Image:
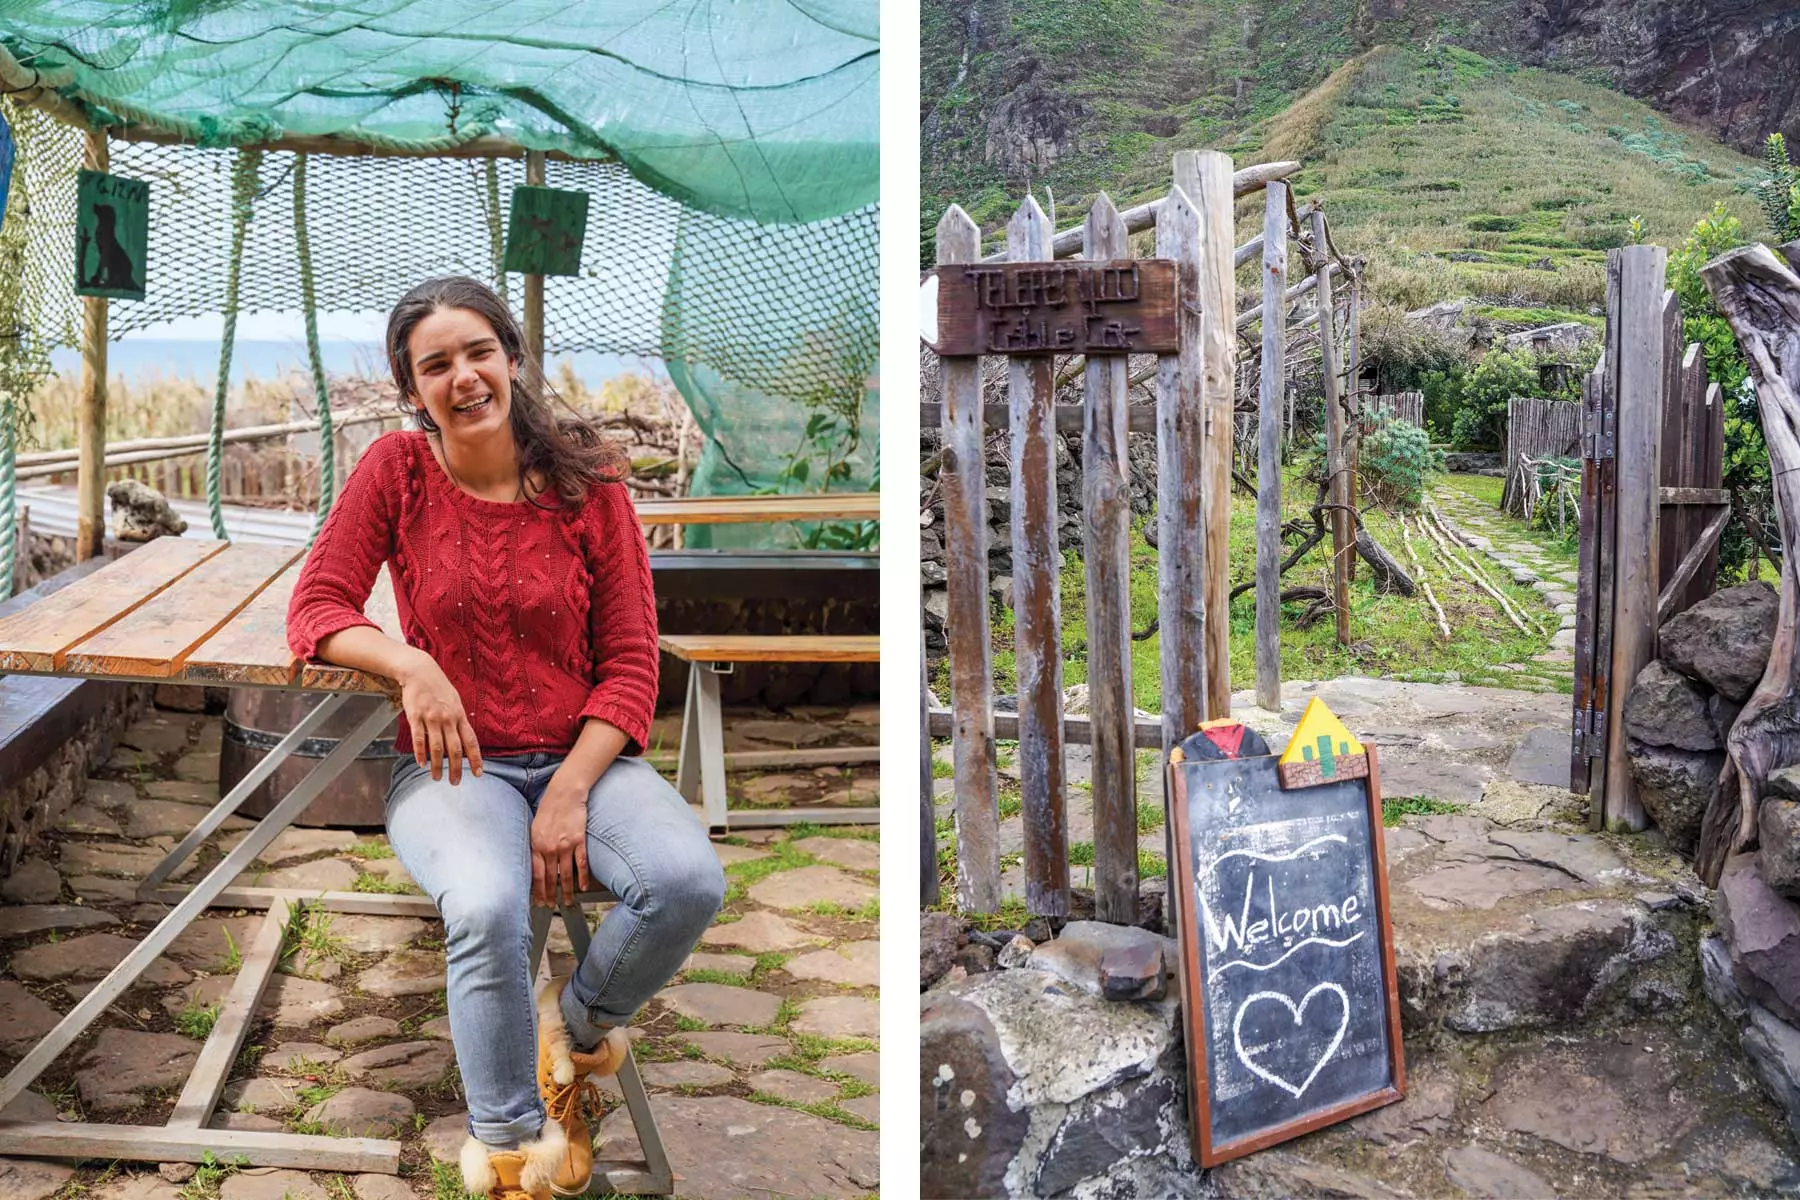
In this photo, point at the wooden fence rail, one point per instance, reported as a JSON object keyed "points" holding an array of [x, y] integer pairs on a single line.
{"points": [[1536, 428]]}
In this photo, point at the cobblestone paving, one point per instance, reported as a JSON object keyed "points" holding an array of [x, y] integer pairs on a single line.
{"points": [[761, 1057]]}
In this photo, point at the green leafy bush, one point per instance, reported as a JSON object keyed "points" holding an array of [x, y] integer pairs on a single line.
{"points": [[1398, 462]]}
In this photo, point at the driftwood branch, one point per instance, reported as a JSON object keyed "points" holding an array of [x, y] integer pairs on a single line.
{"points": [[1760, 297], [1390, 576]]}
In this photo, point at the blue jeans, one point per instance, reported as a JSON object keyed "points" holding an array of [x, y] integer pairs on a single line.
{"points": [[469, 847]]}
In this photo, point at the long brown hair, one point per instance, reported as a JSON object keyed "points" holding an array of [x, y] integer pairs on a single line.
{"points": [[563, 449]]}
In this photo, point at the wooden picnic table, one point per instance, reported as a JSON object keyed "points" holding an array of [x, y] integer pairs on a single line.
{"points": [[184, 610]]}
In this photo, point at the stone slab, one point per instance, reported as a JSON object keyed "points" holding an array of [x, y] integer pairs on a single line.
{"points": [[363, 1112], [729, 1147], [792, 1085], [89, 958], [721, 1004], [760, 932], [125, 1065], [402, 1065], [856, 854], [686, 1073], [18, 920], [839, 1017], [744, 1049], [33, 881], [405, 973], [852, 964], [807, 886], [23, 1018]]}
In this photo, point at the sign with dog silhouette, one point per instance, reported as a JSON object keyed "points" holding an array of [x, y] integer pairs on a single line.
{"points": [[112, 235], [1287, 958]]}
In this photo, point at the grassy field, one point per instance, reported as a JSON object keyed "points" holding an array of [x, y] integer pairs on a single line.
{"points": [[1392, 636]]}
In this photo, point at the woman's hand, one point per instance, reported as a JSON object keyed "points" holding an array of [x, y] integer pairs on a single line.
{"points": [[559, 862], [441, 733]]}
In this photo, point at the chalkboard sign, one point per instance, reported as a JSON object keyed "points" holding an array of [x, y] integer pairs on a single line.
{"points": [[1287, 959]]}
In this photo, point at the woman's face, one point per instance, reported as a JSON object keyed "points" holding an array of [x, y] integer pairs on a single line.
{"points": [[461, 376]]}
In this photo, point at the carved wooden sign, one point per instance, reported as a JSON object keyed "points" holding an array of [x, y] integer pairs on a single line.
{"points": [[1125, 306]]}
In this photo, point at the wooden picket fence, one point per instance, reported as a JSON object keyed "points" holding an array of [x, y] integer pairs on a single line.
{"points": [[1194, 428], [1652, 510], [1405, 406], [1535, 429]]}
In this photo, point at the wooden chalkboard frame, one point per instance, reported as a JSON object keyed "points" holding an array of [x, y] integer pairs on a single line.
{"points": [[1193, 990]]}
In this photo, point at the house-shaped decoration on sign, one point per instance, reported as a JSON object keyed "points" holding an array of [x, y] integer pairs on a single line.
{"points": [[1321, 751]]}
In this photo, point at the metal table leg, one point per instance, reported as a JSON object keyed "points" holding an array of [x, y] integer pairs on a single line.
{"points": [[709, 734]]}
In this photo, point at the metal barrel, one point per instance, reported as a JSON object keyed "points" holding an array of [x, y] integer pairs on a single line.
{"points": [[258, 718]]}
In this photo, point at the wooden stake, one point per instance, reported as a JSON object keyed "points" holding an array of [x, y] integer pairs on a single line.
{"points": [[1205, 177], [1180, 487], [1342, 545], [534, 284], [1268, 454], [90, 518]]}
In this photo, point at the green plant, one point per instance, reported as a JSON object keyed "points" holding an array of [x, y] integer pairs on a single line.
{"points": [[1393, 808], [1398, 462], [1779, 191], [233, 960], [197, 1020], [209, 1174]]}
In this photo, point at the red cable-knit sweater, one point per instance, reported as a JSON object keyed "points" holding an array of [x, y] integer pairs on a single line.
{"points": [[540, 619]]}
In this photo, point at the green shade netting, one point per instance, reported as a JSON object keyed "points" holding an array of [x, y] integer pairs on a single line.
{"points": [[760, 109]]}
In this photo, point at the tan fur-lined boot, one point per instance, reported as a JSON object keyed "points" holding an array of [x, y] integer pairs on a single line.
{"points": [[567, 1082], [522, 1174]]}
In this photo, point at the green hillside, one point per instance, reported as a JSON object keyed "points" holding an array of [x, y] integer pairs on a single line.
{"points": [[1455, 174]]}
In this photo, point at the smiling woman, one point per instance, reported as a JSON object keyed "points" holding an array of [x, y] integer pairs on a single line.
{"points": [[523, 587]]}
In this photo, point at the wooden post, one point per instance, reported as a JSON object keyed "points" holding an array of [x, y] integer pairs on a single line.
{"points": [[928, 871], [1106, 533], [963, 477], [1268, 454], [90, 481], [534, 284], [1338, 492], [1037, 570], [1353, 403], [1180, 487], [1205, 177], [1638, 367]]}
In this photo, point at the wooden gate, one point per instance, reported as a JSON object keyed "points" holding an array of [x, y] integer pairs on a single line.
{"points": [[1652, 510]]}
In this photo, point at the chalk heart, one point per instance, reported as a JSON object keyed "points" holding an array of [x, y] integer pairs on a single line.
{"points": [[1298, 1012]]}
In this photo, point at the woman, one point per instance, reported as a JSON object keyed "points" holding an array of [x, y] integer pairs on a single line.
{"points": [[523, 587]]}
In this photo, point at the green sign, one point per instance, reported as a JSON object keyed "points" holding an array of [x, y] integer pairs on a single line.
{"points": [[112, 234], [543, 235]]}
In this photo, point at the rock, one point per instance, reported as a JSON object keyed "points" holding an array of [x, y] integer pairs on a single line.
{"points": [[977, 957], [402, 1065], [33, 881], [248, 1122], [117, 859], [23, 1018], [792, 1085], [124, 1064], [89, 957], [405, 973], [97, 888], [839, 1017], [161, 818], [1427, 1110], [744, 1049], [1126, 1122], [261, 1095], [853, 964], [1778, 832], [1773, 1048], [144, 1186], [444, 1137], [1723, 713], [437, 1027], [299, 1056], [198, 768], [1132, 973], [1541, 758], [177, 1172], [271, 1185], [730, 855], [28, 1179], [182, 791], [721, 1004], [1545, 968], [375, 935], [866, 1067], [856, 854], [683, 1073], [1016, 953], [1599, 1096], [866, 1107], [741, 965], [199, 994], [1676, 787], [1281, 1173], [381, 1187], [939, 935], [141, 513], [298, 843], [1724, 640], [17, 920], [291, 1000], [1482, 1173], [1762, 932], [210, 943], [85, 818], [1076, 955], [325, 875], [807, 886], [796, 733], [732, 1147], [1665, 708], [759, 932], [360, 1112]]}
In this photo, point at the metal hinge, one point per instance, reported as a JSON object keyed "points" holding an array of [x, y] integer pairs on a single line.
{"points": [[1596, 733]]}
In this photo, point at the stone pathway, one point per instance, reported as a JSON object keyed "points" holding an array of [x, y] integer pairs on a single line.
{"points": [[761, 1057]]}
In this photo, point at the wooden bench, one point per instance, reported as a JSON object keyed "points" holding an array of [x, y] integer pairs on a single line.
{"points": [[700, 771], [756, 510]]}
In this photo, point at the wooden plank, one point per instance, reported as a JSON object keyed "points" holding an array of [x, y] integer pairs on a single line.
{"points": [[1641, 377], [928, 846], [1180, 489], [1671, 497], [38, 637], [963, 477], [796, 647], [1106, 546], [1336, 468], [154, 639], [1037, 571], [1675, 527], [1270, 389], [1586, 574], [1205, 176], [160, 1143], [1606, 539], [382, 609], [1146, 732], [1120, 306], [252, 647], [1140, 418], [1668, 603], [756, 760], [1712, 461], [194, 1107], [726, 510]]}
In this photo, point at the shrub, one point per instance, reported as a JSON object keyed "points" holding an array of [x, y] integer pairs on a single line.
{"points": [[1398, 462]]}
